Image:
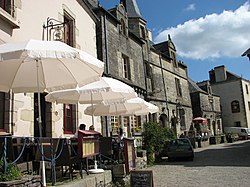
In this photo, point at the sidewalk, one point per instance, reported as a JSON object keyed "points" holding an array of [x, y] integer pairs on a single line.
{"points": [[199, 149], [91, 180]]}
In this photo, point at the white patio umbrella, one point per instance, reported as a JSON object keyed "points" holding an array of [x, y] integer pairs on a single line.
{"points": [[104, 90], [146, 109], [41, 66], [112, 109], [35, 65]]}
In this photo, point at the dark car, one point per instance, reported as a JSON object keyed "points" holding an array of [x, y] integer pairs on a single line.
{"points": [[180, 148]]}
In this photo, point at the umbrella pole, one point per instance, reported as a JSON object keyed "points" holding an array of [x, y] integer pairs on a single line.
{"points": [[40, 126], [93, 123]]}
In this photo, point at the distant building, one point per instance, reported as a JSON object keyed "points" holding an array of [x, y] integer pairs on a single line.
{"points": [[234, 95], [207, 105]]}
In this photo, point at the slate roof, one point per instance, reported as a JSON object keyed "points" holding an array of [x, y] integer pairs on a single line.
{"points": [[193, 87], [162, 47], [132, 8]]}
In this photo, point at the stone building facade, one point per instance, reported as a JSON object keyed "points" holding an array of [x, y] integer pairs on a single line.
{"points": [[123, 41], [207, 105], [122, 53], [234, 95]]}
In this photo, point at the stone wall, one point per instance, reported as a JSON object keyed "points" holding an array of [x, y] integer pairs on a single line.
{"points": [[26, 181]]}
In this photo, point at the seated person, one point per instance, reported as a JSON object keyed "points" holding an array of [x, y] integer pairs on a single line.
{"points": [[81, 127]]}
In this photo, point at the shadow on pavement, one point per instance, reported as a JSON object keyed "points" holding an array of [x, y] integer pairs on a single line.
{"points": [[234, 154]]}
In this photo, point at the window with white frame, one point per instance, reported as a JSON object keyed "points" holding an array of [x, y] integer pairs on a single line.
{"points": [[126, 67], [69, 120], [136, 124], [69, 34], [7, 5]]}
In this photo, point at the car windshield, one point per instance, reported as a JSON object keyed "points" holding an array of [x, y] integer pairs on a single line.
{"points": [[180, 142]]}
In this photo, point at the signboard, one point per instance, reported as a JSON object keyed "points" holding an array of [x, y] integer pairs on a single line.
{"points": [[129, 153], [141, 178]]}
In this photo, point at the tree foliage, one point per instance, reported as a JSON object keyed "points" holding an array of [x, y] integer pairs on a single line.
{"points": [[155, 139]]}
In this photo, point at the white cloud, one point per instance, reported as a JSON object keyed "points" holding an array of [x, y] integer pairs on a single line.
{"points": [[213, 36], [190, 7]]}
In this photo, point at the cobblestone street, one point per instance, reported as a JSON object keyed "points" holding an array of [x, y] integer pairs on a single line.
{"points": [[214, 166]]}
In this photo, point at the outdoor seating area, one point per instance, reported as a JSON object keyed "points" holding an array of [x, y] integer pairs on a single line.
{"points": [[64, 158]]}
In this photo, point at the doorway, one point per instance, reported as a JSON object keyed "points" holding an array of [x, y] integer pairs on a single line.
{"points": [[46, 116]]}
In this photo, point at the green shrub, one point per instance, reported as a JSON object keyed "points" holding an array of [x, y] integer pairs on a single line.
{"points": [[12, 172], [155, 139]]}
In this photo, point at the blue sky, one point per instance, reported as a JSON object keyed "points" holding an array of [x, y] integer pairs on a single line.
{"points": [[206, 33]]}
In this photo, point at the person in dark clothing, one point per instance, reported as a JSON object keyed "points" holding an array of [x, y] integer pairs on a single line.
{"points": [[82, 127]]}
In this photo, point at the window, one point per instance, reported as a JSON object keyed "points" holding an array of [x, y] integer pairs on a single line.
{"points": [[136, 124], [148, 70], [4, 110], [143, 34], [247, 89], [7, 6], [126, 67], [114, 124], [235, 106], [149, 75], [123, 27], [173, 56], [211, 102], [69, 121], [178, 87], [68, 29], [237, 124]]}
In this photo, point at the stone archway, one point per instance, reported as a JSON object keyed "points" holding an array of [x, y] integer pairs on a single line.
{"points": [[163, 120]]}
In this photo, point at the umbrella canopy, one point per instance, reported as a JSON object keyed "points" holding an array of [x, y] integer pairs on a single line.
{"points": [[35, 65], [200, 120], [112, 109], [43, 66], [104, 90], [146, 109]]}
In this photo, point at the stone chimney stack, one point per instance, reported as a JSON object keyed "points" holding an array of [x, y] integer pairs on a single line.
{"points": [[220, 73]]}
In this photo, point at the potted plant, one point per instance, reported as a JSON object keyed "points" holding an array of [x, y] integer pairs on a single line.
{"points": [[12, 172]]}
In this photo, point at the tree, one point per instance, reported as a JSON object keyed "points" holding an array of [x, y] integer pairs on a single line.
{"points": [[155, 138]]}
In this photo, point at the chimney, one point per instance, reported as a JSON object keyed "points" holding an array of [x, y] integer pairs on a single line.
{"points": [[220, 73]]}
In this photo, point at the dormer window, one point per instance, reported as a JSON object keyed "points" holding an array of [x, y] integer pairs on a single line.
{"points": [[173, 56], [143, 34], [123, 27]]}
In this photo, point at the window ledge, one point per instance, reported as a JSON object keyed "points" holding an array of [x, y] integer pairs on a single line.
{"points": [[8, 19]]}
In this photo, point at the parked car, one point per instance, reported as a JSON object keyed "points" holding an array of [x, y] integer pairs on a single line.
{"points": [[180, 148], [244, 133]]}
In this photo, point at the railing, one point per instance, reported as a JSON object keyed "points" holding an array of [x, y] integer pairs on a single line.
{"points": [[57, 151]]}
